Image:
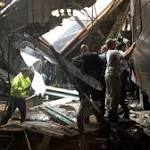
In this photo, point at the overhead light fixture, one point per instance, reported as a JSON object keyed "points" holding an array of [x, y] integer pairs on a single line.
{"points": [[55, 13], [2, 4]]}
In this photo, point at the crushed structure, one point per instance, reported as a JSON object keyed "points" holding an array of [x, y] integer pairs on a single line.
{"points": [[51, 118]]}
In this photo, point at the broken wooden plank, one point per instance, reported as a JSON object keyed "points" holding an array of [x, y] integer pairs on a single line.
{"points": [[69, 68], [42, 130], [56, 116]]}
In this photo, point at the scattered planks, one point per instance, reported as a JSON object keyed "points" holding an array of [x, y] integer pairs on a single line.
{"points": [[56, 116]]}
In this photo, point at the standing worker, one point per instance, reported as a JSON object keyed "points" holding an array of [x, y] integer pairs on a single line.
{"points": [[125, 73], [112, 77], [19, 89]]}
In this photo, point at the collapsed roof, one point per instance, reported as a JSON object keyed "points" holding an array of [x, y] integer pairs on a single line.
{"points": [[28, 16], [26, 20]]}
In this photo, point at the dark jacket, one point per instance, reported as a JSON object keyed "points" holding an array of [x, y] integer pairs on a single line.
{"points": [[92, 64]]}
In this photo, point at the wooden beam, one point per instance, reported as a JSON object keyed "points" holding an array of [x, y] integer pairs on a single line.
{"points": [[56, 116], [121, 17], [70, 69]]}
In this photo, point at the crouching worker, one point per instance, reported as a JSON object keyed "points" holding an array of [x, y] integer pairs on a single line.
{"points": [[93, 65], [20, 86]]}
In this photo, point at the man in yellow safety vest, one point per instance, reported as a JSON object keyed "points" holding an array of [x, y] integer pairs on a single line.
{"points": [[20, 85]]}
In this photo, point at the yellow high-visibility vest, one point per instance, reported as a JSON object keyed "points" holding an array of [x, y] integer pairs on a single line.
{"points": [[19, 85]]}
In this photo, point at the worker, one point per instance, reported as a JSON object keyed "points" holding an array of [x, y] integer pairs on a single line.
{"points": [[20, 86], [112, 78], [47, 72], [84, 48], [93, 65], [125, 73]]}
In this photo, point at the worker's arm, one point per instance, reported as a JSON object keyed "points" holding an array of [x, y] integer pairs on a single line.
{"points": [[129, 51]]}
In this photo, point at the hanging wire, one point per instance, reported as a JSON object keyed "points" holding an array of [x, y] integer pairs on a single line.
{"points": [[95, 10], [82, 9], [91, 17]]}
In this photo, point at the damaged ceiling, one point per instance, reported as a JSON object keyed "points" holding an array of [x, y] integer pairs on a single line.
{"points": [[27, 16], [107, 24], [21, 19]]}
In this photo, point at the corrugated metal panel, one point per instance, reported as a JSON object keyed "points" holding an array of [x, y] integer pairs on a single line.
{"points": [[141, 28]]}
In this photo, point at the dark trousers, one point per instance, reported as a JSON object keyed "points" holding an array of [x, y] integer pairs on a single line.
{"points": [[14, 103], [124, 106], [113, 84], [97, 97]]}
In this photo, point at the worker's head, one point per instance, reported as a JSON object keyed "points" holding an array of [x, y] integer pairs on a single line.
{"points": [[84, 48], [121, 46], [111, 43], [104, 48], [25, 72]]}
